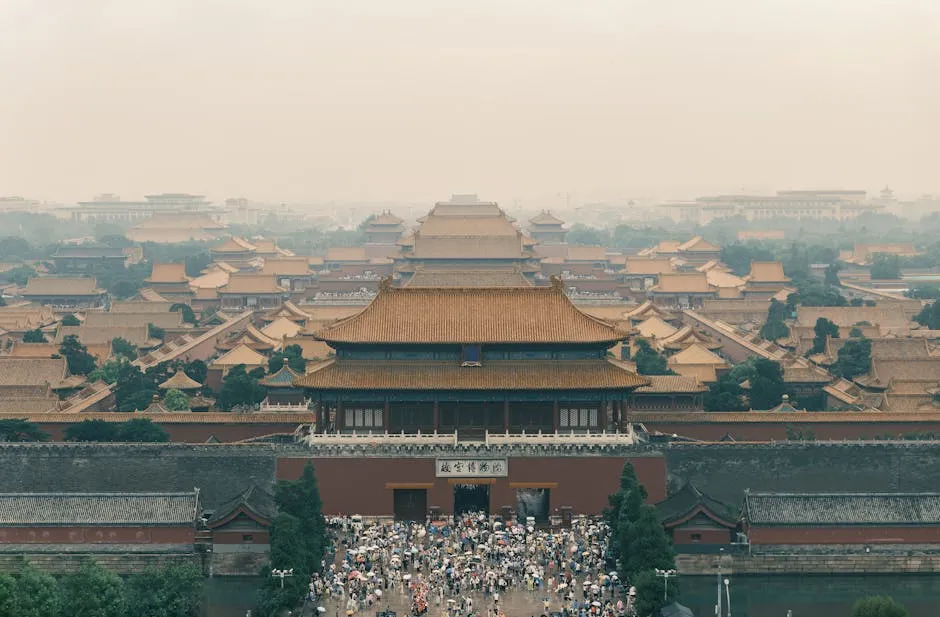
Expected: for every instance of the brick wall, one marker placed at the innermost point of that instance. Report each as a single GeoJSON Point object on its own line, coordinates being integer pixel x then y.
{"type": "Point", "coordinates": [809, 564]}
{"type": "Point", "coordinates": [126, 563]}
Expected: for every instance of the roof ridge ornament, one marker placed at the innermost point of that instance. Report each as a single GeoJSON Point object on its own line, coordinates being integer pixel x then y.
{"type": "Point", "coordinates": [557, 283]}
{"type": "Point", "coordinates": [385, 284]}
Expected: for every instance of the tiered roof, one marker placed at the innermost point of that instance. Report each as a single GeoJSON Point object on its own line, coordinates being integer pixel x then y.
{"type": "Point", "coordinates": [345, 374]}
{"type": "Point", "coordinates": [287, 266]}
{"type": "Point", "coordinates": [488, 277]}
{"type": "Point", "coordinates": [235, 244]}
{"type": "Point", "coordinates": [168, 273]}
{"type": "Point", "coordinates": [654, 327]}
{"type": "Point", "coordinates": [686, 336]}
{"type": "Point", "coordinates": [240, 355]}
{"type": "Point", "coordinates": [247, 284]}
{"type": "Point", "coordinates": [283, 378]}
{"type": "Point", "coordinates": [61, 286]}
{"type": "Point", "coordinates": [471, 315]}
{"type": "Point", "coordinates": [281, 327]}
{"type": "Point", "coordinates": [647, 266]}
{"type": "Point", "coordinates": [698, 245]}
{"type": "Point", "coordinates": [255, 502]}
{"type": "Point", "coordinates": [545, 219]}
{"type": "Point", "coordinates": [647, 310]}
{"type": "Point", "coordinates": [288, 310]}
{"type": "Point", "coordinates": [689, 501]}
{"type": "Point", "coordinates": [873, 509]}
{"type": "Point", "coordinates": [684, 283]}
{"type": "Point", "coordinates": [180, 381]}
{"type": "Point", "coordinates": [767, 272]}
{"type": "Point", "coordinates": [95, 509]}
{"type": "Point", "coordinates": [697, 362]}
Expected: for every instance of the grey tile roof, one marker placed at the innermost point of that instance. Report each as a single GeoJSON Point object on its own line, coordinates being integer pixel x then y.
{"type": "Point", "coordinates": [842, 508]}
{"type": "Point", "coordinates": [53, 509]}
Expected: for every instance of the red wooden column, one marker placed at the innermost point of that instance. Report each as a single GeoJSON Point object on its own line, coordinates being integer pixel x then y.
{"type": "Point", "coordinates": [506, 415]}
{"type": "Point", "coordinates": [437, 416]}
{"type": "Point", "coordinates": [602, 415]}
{"type": "Point", "coordinates": [340, 417]}
{"type": "Point", "coordinates": [386, 416]}
{"type": "Point", "coordinates": [555, 419]}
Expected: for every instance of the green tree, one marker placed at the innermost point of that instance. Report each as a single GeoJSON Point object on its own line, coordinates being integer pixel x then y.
{"type": "Point", "coordinates": [854, 359]}
{"type": "Point", "coordinates": [293, 355]}
{"type": "Point", "coordinates": [648, 547]}
{"type": "Point", "coordinates": [739, 256]}
{"type": "Point", "coordinates": [886, 267]}
{"type": "Point", "coordinates": [775, 328]}
{"type": "Point", "coordinates": [155, 332]}
{"type": "Point", "coordinates": [80, 362]}
{"type": "Point", "coordinates": [93, 591]}
{"type": "Point", "coordinates": [630, 492]}
{"type": "Point", "coordinates": [195, 264]}
{"type": "Point", "coordinates": [301, 499]}
{"type": "Point", "coordinates": [122, 347]}
{"type": "Point", "coordinates": [298, 541]}
{"type": "Point", "coordinates": [20, 430]}
{"type": "Point", "coordinates": [92, 430]}
{"type": "Point", "coordinates": [110, 370]}
{"type": "Point", "coordinates": [240, 389]}
{"type": "Point", "coordinates": [196, 370]}
{"type": "Point", "coordinates": [34, 336]}
{"type": "Point", "coordinates": [929, 316]}
{"type": "Point", "coordinates": [173, 591]}
{"type": "Point", "coordinates": [766, 383]}
{"type": "Point", "coordinates": [133, 391]}
{"type": "Point", "coordinates": [878, 606]}
{"type": "Point", "coordinates": [724, 395]}
{"type": "Point", "coordinates": [123, 287]}
{"type": "Point", "coordinates": [176, 400]}
{"type": "Point", "coordinates": [70, 320]}
{"type": "Point", "coordinates": [831, 277]}
{"type": "Point", "coordinates": [142, 430]}
{"type": "Point", "coordinates": [20, 275]}
{"type": "Point", "coordinates": [823, 329]}
{"type": "Point", "coordinates": [14, 246]}
{"type": "Point", "coordinates": [188, 315]}
{"type": "Point", "coordinates": [8, 605]}
{"type": "Point", "coordinates": [650, 590]}
{"type": "Point", "coordinates": [648, 362]}
{"type": "Point", "coordinates": [37, 594]}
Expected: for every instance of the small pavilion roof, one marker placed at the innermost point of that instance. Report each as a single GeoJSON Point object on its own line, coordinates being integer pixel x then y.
{"type": "Point", "coordinates": [254, 501]}
{"type": "Point", "coordinates": [545, 217]}
{"type": "Point", "coordinates": [283, 378]}
{"type": "Point", "coordinates": [689, 501]}
{"type": "Point", "coordinates": [241, 355]}
{"type": "Point", "coordinates": [654, 327]}
{"type": "Point", "coordinates": [180, 381]}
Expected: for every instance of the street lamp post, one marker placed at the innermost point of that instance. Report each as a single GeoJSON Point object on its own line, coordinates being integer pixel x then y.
{"type": "Point", "coordinates": [728, 595]}
{"type": "Point", "coordinates": [282, 574]}
{"type": "Point", "coordinates": [666, 575]}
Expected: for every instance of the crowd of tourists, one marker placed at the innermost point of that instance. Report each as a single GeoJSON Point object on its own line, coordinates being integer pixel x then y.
{"type": "Point", "coordinates": [471, 567]}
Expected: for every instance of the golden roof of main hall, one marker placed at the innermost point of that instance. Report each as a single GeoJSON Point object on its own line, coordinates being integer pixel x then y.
{"type": "Point", "coordinates": [471, 315]}
{"type": "Point", "coordinates": [593, 374]}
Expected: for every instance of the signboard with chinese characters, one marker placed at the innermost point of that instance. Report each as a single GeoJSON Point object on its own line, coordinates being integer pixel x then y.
{"type": "Point", "coordinates": [471, 467]}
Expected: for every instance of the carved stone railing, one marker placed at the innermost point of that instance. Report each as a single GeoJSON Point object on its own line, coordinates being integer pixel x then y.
{"type": "Point", "coordinates": [447, 444]}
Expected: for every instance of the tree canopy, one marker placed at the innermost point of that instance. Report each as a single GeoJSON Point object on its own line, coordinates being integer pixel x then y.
{"type": "Point", "coordinates": [298, 541]}
{"type": "Point", "coordinates": [176, 400]}
{"type": "Point", "coordinates": [823, 329]}
{"type": "Point", "coordinates": [240, 389]}
{"type": "Point", "coordinates": [886, 267]}
{"type": "Point", "coordinates": [21, 429]}
{"type": "Point", "coordinates": [854, 358]}
{"type": "Point", "coordinates": [648, 362]}
{"type": "Point", "coordinates": [878, 606]}
{"type": "Point", "coordinates": [640, 542]}
{"type": "Point", "coordinates": [929, 316]}
{"type": "Point", "coordinates": [80, 362]}
{"type": "Point", "coordinates": [34, 336]}
{"type": "Point", "coordinates": [70, 320]}
{"type": "Point", "coordinates": [121, 347]}
{"type": "Point", "coordinates": [293, 355]}
{"type": "Point", "coordinates": [775, 328]}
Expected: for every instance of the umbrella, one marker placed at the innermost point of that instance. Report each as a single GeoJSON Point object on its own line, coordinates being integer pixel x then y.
{"type": "Point", "coordinates": [320, 609]}
{"type": "Point", "coordinates": [595, 603]}
{"type": "Point", "coordinates": [354, 574]}
{"type": "Point", "coordinates": [406, 577]}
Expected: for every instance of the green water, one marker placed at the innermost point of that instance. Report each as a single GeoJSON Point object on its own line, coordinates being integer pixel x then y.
{"type": "Point", "coordinates": [811, 596]}
{"type": "Point", "coordinates": [755, 596]}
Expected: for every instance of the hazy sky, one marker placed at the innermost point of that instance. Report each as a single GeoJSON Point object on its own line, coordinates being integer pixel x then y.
{"type": "Point", "coordinates": [415, 99]}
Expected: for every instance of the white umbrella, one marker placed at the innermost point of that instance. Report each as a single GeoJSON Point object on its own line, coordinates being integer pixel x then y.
{"type": "Point", "coordinates": [321, 609]}
{"type": "Point", "coordinates": [595, 603]}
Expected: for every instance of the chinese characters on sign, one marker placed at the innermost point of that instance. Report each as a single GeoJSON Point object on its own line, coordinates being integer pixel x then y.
{"type": "Point", "coordinates": [471, 467]}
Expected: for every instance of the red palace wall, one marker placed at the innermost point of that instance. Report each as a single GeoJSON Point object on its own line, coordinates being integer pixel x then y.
{"type": "Point", "coordinates": [706, 536]}
{"type": "Point", "coordinates": [365, 485]}
{"type": "Point", "coordinates": [97, 535]}
{"type": "Point", "coordinates": [844, 535]}
{"type": "Point", "coordinates": [237, 537]}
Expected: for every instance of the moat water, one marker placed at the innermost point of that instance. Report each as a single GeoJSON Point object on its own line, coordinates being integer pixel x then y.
{"type": "Point", "coordinates": [752, 596]}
